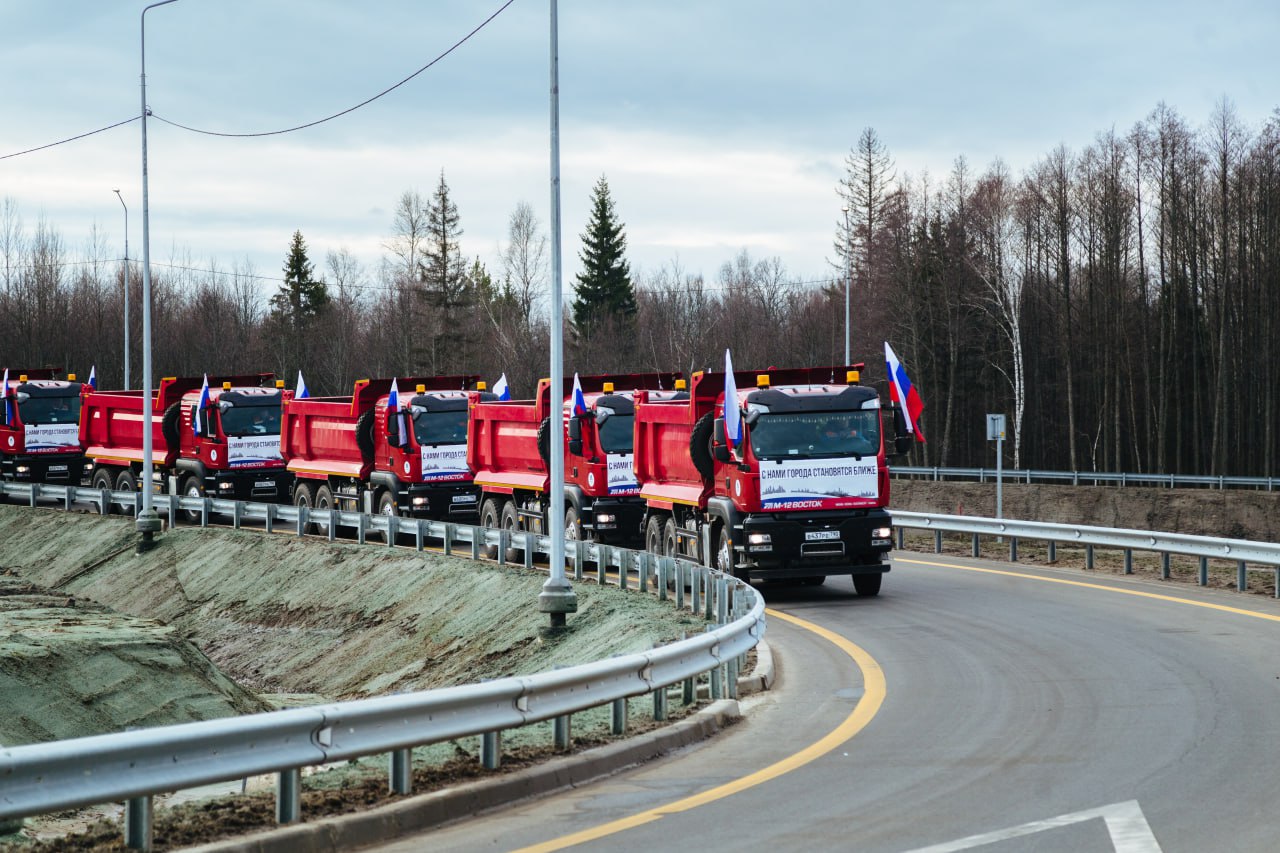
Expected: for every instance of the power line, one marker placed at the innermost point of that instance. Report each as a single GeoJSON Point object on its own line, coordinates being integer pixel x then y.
{"type": "Point", "coordinates": [69, 139]}
{"type": "Point", "coordinates": [363, 103]}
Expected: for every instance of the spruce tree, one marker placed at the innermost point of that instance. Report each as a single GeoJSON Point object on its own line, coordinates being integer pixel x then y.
{"type": "Point", "coordinates": [296, 306]}
{"type": "Point", "coordinates": [604, 287]}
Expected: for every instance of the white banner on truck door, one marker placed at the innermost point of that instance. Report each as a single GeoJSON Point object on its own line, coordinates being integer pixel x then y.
{"type": "Point", "coordinates": [818, 483]}
{"type": "Point", "coordinates": [51, 438]}
{"type": "Point", "coordinates": [622, 475]}
{"type": "Point", "coordinates": [445, 462]}
{"type": "Point", "coordinates": [253, 451]}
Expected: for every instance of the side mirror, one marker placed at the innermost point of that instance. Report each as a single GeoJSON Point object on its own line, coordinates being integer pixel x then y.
{"type": "Point", "coordinates": [575, 429]}
{"type": "Point", "coordinates": [393, 427]}
{"type": "Point", "coordinates": [719, 449]}
{"type": "Point", "coordinates": [902, 444]}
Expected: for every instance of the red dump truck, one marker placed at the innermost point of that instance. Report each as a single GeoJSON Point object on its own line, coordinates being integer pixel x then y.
{"type": "Point", "coordinates": [40, 432]}
{"type": "Point", "coordinates": [511, 442]}
{"type": "Point", "coordinates": [224, 443]}
{"type": "Point", "coordinates": [802, 495]}
{"type": "Point", "coordinates": [357, 453]}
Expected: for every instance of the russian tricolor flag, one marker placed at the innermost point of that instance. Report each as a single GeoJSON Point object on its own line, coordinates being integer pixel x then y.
{"type": "Point", "coordinates": [903, 392]}
{"type": "Point", "coordinates": [732, 411]}
{"type": "Point", "coordinates": [93, 377]}
{"type": "Point", "coordinates": [579, 401]}
{"type": "Point", "coordinates": [501, 388]}
{"type": "Point", "coordinates": [393, 406]}
{"type": "Point", "coordinates": [200, 406]}
{"type": "Point", "coordinates": [301, 393]}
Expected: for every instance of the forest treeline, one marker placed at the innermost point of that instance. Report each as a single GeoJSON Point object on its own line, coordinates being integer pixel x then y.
{"type": "Point", "coordinates": [1119, 304]}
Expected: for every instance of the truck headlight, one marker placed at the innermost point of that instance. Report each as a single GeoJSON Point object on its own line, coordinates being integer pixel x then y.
{"type": "Point", "coordinates": [23, 469]}
{"type": "Point", "coordinates": [882, 533]}
{"type": "Point", "coordinates": [606, 518]}
{"type": "Point", "coordinates": [226, 487]}
{"type": "Point", "coordinates": [758, 539]}
{"type": "Point", "coordinates": [421, 500]}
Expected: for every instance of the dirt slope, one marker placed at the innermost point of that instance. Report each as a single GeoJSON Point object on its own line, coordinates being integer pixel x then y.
{"type": "Point", "coordinates": [282, 616]}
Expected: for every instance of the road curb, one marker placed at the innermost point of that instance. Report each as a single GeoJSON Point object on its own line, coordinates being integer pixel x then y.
{"type": "Point", "coordinates": [425, 811]}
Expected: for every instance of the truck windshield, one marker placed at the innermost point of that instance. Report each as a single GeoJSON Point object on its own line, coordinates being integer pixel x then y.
{"type": "Point", "coordinates": [441, 427]}
{"type": "Point", "coordinates": [50, 410]}
{"type": "Point", "coordinates": [816, 434]}
{"type": "Point", "coordinates": [251, 420]}
{"type": "Point", "coordinates": [616, 435]}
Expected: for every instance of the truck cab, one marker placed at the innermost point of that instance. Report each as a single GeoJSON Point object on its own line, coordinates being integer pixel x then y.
{"type": "Point", "coordinates": [235, 453]}
{"type": "Point", "coordinates": [40, 431]}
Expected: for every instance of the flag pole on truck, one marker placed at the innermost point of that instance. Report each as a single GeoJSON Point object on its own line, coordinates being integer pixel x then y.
{"type": "Point", "coordinates": [557, 598]}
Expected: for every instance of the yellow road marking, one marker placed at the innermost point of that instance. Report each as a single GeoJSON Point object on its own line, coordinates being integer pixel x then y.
{"type": "Point", "coordinates": [868, 705]}
{"type": "Point", "coordinates": [1239, 611]}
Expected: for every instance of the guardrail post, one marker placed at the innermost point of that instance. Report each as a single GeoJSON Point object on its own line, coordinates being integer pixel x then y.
{"type": "Point", "coordinates": [715, 674]}
{"type": "Point", "coordinates": [477, 536]}
{"type": "Point", "coordinates": [678, 566]}
{"type": "Point", "coordinates": [448, 538]}
{"type": "Point", "coordinates": [491, 750]}
{"type": "Point", "coordinates": [205, 506]}
{"type": "Point", "coordinates": [417, 536]}
{"type": "Point", "coordinates": [289, 795]}
{"type": "Point", "coordinates": [1088, 556]}
{"type": "Point", "coordinates": [270, 520]}
{"type": "Point", "coordinates": [68, 496]}
{"type": "Point", "coordinates": [618, 716]}
{"type": "Point", "coordinates": [402, 771]}
{"type": "Point", "coordinates": [695, 585]}
{"type": "Point", "coordinates": [35, 492]}
{"type": "Point", "coordinates": [362, 528]}
{"type": "Point", "coordinates": [731, 677]}
{"type": "Point", "coordinates": [1164, 565]}
{"type": "Point", "coordinates": [1242, 577]}
{"type": "Point", "coordinates": [562, 732]}
{"type": "Point", "coordinates": [393, 529]}
{"type": "Point", "coordinates": [333, 524]}
{"type": "Point", "coordinates": [1013, 549]}
{"type": "Point", "coordinates": [708, 595]}
{"type": "Point", "coordinates": [602, 564]}
{"type": "Point", "coordinates": [976, 548]}
{"type": "Point", "coordinates": [624, 580]}
{"type": "Point", "coordinates": [237, 513]}
{"type": "Point", "coordinates": [173, 510]}
{"type": "Point", "coordinates": [528, 549]}
{"type": "Point", "coordinates": [663, 576]}
{"type": "Point", "coordinates": [937, 541]}
{"type": "Point", "coordinates": [1203, 578]}
{"type": "Point", "coordinates": [722, 601]}
{"type": "Point", "coordinates": [642, 569]}
{"type": "Point", "coordinates": [304, 514]}
{"type": "Point", "coordinates": [1053, 551]}
{"type": "Point", "coordinates": [137, 823]}
{"type": "Point", "coordinates": [504, 542]}
{"type": "Point", "coordinates": [902, 538]}
{"type": "Point", "coordinates": [1128, 561]}
{"type": "Point", "coordinates": [660, 704]}
{"type": "Point", "coordinates": [104, 504]}
{"type": "Point", "coordinates": [579, 558]}
{"type": "Point", "coordinates": [1276, 581]}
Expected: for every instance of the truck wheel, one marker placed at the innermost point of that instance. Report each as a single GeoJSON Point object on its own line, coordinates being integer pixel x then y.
{"type": "Point", "coordinates": [490, 518]}
{"type": "Point", "coordinates": [511, 523]}
{"type": "Point", "coordinates": [364, 435]}
{"type": "Point", "coordinates": [544, 440]}
{"type": "Point", "coordinates": [386, 505]}
{"type": "Point", "coordinates": [190, 488]}
{"type": "Point", "coordinates": [700, 446]}
{"type": "Point", "coordinates": [304, 496]}
{"type": "Point", "coordinates": [653, 536]}
{"type": "Point", "coordinates": [867, 585]}
{"type": "Point", "coordinates": [724, 552]}
{"type": "Point", "coordinates": [670, 541]}
{"type": "Point", "coordinates": [126, 482]}
{"type": "Point", "coordinates": [324, 500]}
{"type": "Point", "coordinates": [572, 525]}
{"type": "Point", "coordinates": [102, 480]}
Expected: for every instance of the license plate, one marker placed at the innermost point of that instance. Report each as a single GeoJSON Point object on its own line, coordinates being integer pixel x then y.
{"type": "Point", "coordinates": [464, 499]}
{"type": "Point", "coordinates": [265, 484]}
{"type": "Point", "coordinates": [821, 535]}
{"type": "Point", "coordinates": [60, 468]}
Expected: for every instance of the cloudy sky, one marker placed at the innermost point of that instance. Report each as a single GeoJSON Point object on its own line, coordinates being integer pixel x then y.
{"type": "Point", "coordinates": [720, 126]}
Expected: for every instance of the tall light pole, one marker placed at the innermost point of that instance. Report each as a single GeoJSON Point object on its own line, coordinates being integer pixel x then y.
{"type": "Point", "coordinates": [126, 286]}
{"type": "Point", "coordinates": [557, 597]}
{"type": "Point", "coordinates": [148, 523]}
{"type": "Point", "coordinates": [848, 279]}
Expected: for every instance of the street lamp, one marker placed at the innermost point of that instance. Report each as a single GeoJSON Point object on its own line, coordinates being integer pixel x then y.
{"type": "Point", "coordinates": [148, 522]}
{"type": "Point", "coordinates": [126, 286]}
{"type": "Point", "coordinates": [557, 598]}
{"type": "Point", "coordinates": [848, 279]}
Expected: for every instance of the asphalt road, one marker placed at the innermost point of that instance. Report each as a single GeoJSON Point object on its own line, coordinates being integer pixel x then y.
{"type": "Point", "coordinates": [1013, 711]}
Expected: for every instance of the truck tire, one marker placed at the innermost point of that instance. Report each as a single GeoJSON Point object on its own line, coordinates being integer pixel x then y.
{"type": "Point", "coordinates": [670, 541]}
{"type": "Point", "coordinates": [544, 440]}
{"type": "Point", "coordinates": [171, 426]}
{"type": "Point", "coordinates": [700, 446]}
{"type": "Point", "coordinates": [511, 523]}
{"type": "Point", "coordinates": [190, 487]}
{"type": "Point", "coordinates": [653, 536]}
{"type": "Point", "coordinates": [490, 518]}
{"type": "Point", "coordinates": [324, 503]}
{"type": "Point", "coordinates": [364, 435]}
{"type": "Point", "coordinates": [126, 482]}
{"type": "Point", "coordinates": [304, 496]}
{"type": "Point", "coordinates": [867, 586]}
{"type": "Point", "coordinates": [724, 558]}
{"type": "Point", "coordinates": [572, 525]}
{"type": "Point", "coordinates": [103, 481]}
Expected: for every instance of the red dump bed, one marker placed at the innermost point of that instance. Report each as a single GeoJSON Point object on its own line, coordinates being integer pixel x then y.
{"type": "Point", "coordinates": [347, 436]}
{"type": "Point", "coordinates": [503, 438]}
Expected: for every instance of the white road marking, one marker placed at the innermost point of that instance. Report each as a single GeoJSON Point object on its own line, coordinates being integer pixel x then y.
{"type": "Point", "coordinates": [1126, 824]}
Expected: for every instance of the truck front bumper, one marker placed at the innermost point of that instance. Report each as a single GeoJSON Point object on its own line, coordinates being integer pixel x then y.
{"type": "Point", "coordinates": [444, 502]}
{"type": "Point", "coordinates": [615, 520]}
{"type": "Point", "coordinates": [794, 545]}
{"type": "Point", "coordinates": [270, 485]}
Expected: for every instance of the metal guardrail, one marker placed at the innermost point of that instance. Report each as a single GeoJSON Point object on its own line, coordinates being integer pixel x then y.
{"type": "Point", "coordinates": [1076, 478]}
{"type": "Point", "coordinates": [134, 766]}
{"type": "Point", "coordinates": [1242, 551]}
